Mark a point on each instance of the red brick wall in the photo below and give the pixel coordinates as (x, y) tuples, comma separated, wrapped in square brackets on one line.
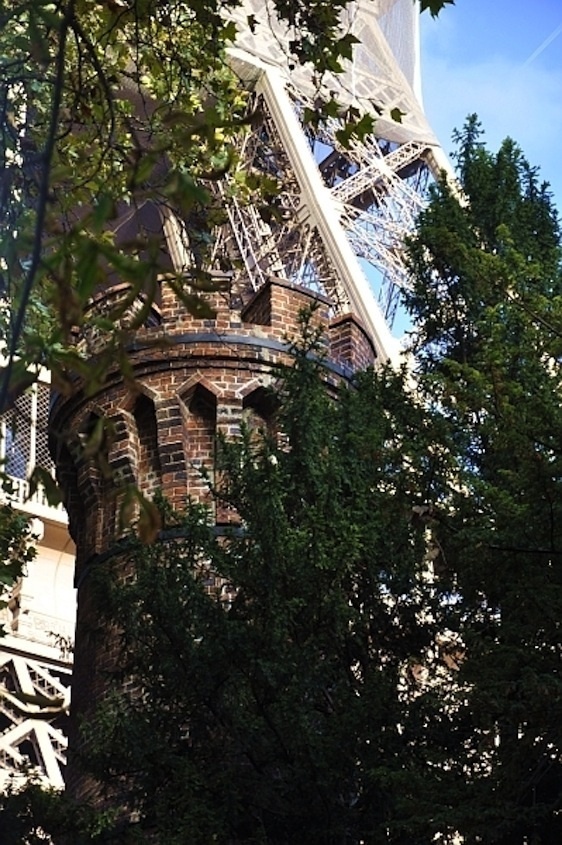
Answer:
[(350, 344)]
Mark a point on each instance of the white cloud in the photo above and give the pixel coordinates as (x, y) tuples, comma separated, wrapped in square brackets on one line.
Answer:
[(520, 100)]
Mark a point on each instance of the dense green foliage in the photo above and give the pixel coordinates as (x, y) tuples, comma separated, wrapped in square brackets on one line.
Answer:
[(277, 711), (270, 688), (117, 117), (487, 296), (286, 708), (387, 668), (16, 543), (106, 108)]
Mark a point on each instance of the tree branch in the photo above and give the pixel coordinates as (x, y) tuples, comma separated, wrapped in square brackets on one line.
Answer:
[(41, 205)]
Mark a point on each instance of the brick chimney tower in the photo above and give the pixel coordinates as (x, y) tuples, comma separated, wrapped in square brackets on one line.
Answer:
[(193, 380)]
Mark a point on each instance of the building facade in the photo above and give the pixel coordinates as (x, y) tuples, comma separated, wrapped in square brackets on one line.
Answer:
[(39, 615)]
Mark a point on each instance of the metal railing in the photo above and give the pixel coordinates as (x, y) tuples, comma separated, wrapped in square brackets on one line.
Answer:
[(19, 496)]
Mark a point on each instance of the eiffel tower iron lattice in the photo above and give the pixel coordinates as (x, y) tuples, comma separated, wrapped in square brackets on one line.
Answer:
[(339, 221), (34, 701)]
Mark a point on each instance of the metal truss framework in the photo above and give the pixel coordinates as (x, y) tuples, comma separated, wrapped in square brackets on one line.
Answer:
[(35, 657), (338, 220), (34, 698)]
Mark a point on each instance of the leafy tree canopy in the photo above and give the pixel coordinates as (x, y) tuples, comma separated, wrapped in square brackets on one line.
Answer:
[(109, 108), (373, 653), (116, 115)]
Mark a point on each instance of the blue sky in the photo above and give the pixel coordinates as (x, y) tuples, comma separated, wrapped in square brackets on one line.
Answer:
[(503, 60)]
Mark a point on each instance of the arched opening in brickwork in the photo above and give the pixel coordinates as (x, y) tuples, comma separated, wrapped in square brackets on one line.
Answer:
[(258, 412), (148, 469), (94, 480), (67, 477), (200, 439)]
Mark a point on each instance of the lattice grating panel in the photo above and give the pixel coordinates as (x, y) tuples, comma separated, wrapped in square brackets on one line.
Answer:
[(42, 456), (18, 436)]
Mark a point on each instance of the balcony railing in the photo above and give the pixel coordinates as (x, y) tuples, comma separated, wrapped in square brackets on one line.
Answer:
[(42, 628), (24, 446), (36, 504)]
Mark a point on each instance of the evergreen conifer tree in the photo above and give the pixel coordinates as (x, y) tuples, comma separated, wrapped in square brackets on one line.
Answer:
[(486, 300)]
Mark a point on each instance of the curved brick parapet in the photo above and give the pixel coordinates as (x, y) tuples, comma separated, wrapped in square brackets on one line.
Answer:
[(191, 374)]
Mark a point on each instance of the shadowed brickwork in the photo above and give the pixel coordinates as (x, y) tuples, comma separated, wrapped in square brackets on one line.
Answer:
[(194, 379)]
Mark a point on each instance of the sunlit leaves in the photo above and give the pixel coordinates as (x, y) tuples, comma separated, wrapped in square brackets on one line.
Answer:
[(41, 479), (356, 128), (16, 550)]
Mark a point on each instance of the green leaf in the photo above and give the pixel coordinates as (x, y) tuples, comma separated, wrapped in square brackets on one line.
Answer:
[(41, 478), (185, 191), (22, 377), (135, 507), (435, 6), (88, 271), (38, 42), (93, 443), (149, 521), (104, 210)]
